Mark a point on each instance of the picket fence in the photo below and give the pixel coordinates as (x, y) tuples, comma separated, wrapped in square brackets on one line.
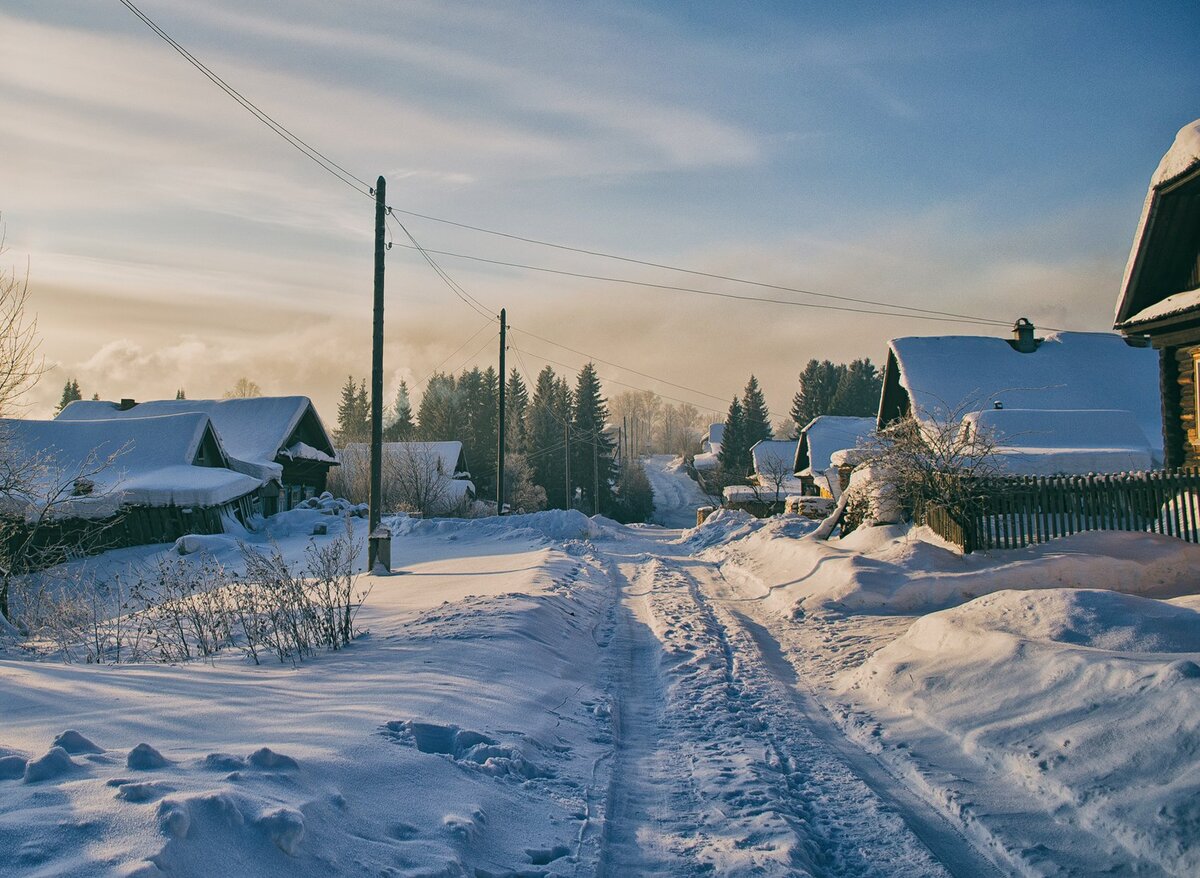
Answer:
[(1010, 512)]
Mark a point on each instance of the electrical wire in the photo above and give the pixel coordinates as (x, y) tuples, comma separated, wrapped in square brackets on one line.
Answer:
[(924, 314), (614, 380), (456, 288), (739, 280), (556, 344), (457, 350), (298, 143)]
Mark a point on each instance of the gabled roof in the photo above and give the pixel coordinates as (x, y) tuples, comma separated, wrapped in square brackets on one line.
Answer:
[(1164, 246), (773, 457), (941, 377), (824, 435), (257, 432), (135, 461)]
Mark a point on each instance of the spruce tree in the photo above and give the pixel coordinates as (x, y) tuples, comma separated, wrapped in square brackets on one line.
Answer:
[(756, 420), (544, 431), (439, 417), (347, 429), (362, 413), (179, 394), (516, 403), (735, 453), (858, 391), (818, 387), (69, 395), (592, 467), (400, 418)]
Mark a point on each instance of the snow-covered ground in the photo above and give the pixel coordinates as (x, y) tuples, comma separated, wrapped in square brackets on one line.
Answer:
[(557, 695)]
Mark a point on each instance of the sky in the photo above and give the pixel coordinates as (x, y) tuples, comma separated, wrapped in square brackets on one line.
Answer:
[(935, 155)]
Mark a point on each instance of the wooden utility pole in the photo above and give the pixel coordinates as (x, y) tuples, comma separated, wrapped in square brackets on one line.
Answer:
[(500, 434), (595, 477), (376, 504), (567, 462)]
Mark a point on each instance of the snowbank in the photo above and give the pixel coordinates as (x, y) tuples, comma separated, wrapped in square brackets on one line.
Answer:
[(1087, 699), (896, 569)]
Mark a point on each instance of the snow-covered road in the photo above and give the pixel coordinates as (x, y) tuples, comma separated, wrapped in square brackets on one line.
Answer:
[(552, 695)]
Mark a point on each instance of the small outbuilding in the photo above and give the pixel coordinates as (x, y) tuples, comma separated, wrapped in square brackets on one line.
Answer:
[(1160, 295), (820, 439), (280, 440), (710, 448)]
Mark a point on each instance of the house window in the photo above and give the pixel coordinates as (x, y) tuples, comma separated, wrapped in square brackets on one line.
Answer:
[(1194, 432)]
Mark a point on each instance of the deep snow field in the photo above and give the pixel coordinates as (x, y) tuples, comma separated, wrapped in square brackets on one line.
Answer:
[(556, 695)]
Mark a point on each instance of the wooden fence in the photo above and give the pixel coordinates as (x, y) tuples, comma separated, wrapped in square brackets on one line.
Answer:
[(1016, 511)]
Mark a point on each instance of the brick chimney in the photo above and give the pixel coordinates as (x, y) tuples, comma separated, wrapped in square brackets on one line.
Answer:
[(1023, 340)]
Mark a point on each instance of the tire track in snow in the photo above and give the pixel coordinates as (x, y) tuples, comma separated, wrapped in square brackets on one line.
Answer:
[(960, 857), (712, 772)]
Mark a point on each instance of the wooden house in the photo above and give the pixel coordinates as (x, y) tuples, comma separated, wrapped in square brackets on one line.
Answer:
[(1160, 295), (820, 439), (89, 485), (1072, 402), (279, 440)]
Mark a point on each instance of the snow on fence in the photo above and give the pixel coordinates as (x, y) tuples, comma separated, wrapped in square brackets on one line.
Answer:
[(1011, 512)]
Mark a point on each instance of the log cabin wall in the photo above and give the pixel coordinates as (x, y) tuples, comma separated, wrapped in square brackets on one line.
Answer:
[(1182, 442)]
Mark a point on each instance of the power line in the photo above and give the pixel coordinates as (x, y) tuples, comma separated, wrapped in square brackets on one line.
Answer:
[(629, 259), (456, 288), (612, 380), (924, 313), (457, 350), (326, 163), (359, 185), (721, 399)]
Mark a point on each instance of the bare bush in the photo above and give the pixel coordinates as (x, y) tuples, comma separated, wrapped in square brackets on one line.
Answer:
[(182, 609), (938, 461)]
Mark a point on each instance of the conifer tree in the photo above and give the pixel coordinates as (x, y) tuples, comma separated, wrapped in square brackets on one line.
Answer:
[(400, 426), (348, 421), (858, 390), (516, 403), (439, 417), (69, 395), (179, 394), (545, 428), (734, 456), (756, 420), (818, 386), (592, 468)]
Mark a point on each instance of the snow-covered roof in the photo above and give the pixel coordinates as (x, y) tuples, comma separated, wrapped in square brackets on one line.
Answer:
[(773, 457), (1039, 442), (255, 432), (1156, 243), (716, 435), (824, 435), (943, 377), (705, 461), (135, 461)]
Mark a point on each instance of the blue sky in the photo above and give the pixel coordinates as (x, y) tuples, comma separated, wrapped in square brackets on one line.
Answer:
[(981, 160)]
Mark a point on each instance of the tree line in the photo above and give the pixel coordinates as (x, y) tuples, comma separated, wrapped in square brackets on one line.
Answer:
[(559, 452)]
